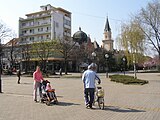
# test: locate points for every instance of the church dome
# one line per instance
(80, 36)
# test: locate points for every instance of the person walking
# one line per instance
(88, 78)
(37, 76)
(60, 71)
(19, 76)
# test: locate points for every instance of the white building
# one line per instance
(48, 24)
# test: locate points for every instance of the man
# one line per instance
(88, 78)
(19, 76)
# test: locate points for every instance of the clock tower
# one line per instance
(107, 42)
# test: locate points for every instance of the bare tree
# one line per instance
(5, 32)
(25, 49)
(149, 22)
(65, 47)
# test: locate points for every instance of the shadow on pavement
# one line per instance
(27, 83)
(119, 109)
(65, 104)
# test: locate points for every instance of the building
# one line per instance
(48, 24)
(11, 54)
(107, 43)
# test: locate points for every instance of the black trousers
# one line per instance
(89, 95)
(19, 79)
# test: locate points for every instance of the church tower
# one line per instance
(107, 41)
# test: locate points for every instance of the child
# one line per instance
(50, 91)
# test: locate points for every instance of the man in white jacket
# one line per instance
(88, 78)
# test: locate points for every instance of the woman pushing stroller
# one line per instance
(37, 76)
(48, 93)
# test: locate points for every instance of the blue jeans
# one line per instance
(89, 96)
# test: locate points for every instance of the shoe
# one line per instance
(87, 105)
(90, 106)
(35, 101)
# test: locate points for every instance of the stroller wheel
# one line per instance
(55, 102)
(48, 103)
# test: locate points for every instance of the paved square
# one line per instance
(122, 102)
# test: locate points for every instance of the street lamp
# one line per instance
(107, 68)
(124, 64)
(94, 56)
(134, 62)
(0, 66)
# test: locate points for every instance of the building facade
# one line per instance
(48, 24)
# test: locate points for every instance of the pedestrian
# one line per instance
(60, 71)
(88, 78)
(19, 76)
(37, 76)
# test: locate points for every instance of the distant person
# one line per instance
(60, 71)
(88, 78)
(37, 76)
(19, 76)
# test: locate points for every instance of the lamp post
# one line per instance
(107, 68)
(134, 63)
(0, 66)
(94, 57)
(124, 64)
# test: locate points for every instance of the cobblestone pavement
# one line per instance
(122, 102)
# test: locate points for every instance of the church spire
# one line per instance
(107, 27)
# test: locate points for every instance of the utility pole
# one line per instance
(0, 66)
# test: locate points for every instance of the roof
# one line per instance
(80, 36)
(13, 42)
(107, 27)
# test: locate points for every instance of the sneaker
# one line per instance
(90, 106)
(87, 105)
(35, 101)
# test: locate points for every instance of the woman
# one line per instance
(37, 76)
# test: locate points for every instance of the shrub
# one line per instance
(125, 79)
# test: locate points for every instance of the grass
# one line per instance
(125, 79)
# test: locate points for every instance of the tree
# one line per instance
(132, 39)
(5, 34)
(41, 50)
(65, 47)
(149, 22)
(26, 55)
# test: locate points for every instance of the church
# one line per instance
(107, 42)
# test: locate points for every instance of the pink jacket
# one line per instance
(37, 76)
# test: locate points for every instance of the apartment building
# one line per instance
(47, 24)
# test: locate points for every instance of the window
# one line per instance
(31, 30)
(23, 24)
(41, 37)
(47, 36)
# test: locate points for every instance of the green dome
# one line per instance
(80, 36)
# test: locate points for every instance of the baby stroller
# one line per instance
(48, 95)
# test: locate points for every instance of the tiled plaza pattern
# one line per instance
(122, 102)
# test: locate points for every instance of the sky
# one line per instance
(90, 15)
